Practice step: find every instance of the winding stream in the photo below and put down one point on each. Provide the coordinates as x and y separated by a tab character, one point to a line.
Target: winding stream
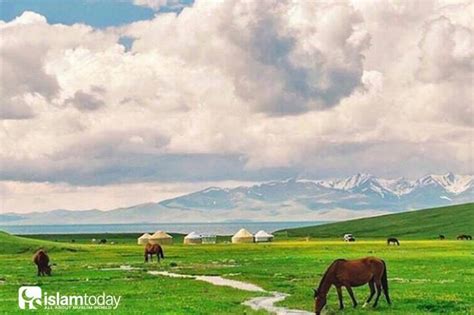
258	303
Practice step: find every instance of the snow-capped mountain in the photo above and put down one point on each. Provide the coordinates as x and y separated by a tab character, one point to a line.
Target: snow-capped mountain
358	192
453	184
363	183
291	199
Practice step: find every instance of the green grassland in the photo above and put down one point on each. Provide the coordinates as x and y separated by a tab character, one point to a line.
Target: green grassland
425	276
116	238
422	224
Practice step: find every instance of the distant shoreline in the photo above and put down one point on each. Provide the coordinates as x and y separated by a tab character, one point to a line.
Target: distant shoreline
163	223
219	228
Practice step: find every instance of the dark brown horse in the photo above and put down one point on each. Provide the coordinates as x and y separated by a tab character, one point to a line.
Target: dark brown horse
41	260
393	240
152	249
441	237
464	237
353	273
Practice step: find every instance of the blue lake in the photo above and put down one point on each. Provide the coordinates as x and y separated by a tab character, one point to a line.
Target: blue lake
226	228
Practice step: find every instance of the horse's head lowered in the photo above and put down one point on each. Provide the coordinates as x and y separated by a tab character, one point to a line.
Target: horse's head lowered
319	301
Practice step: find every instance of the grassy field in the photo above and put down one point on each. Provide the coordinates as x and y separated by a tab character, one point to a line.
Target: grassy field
116	238
425	276
422	224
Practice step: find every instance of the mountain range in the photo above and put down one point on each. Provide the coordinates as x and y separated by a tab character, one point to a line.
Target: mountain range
293	199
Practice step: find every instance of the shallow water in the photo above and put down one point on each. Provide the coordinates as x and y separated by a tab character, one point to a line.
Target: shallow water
259	303
267	303
215	280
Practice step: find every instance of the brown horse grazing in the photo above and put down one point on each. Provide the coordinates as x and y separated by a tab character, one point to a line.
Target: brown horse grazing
353	273
151	249
41	260
393	240
441	237
464	237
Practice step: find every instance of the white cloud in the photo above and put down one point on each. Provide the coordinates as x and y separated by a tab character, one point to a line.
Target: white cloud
154	4
276	56
305	86
447	52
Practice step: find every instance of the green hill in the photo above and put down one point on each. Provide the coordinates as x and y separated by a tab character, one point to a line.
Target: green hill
422	224
11	244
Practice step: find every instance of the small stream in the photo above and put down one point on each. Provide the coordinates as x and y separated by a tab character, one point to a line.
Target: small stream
258	303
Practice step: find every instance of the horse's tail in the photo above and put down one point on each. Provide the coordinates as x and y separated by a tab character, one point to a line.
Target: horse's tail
385	283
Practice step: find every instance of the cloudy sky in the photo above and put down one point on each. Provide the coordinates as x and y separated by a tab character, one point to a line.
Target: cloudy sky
112	103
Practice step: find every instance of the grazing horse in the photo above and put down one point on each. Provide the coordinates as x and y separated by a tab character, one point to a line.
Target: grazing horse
393	240
151	249
353	273
41	259
441	237
464	237
103	241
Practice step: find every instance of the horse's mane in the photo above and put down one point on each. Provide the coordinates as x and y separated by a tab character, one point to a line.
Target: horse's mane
327	271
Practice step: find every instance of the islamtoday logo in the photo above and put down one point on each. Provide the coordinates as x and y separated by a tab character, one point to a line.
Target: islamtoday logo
32	297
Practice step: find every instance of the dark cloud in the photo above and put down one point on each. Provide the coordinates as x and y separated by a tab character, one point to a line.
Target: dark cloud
86	102
15	109
129	168
22	73
297	86
111	161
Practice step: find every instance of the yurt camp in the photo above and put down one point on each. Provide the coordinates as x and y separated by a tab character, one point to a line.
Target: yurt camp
262	236
143	240
192	238
161	238
242	236
209	239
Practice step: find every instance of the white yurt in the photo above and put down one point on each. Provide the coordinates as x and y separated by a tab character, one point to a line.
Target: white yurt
143	240
209	239
192	238
242	236
262	236
161	238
